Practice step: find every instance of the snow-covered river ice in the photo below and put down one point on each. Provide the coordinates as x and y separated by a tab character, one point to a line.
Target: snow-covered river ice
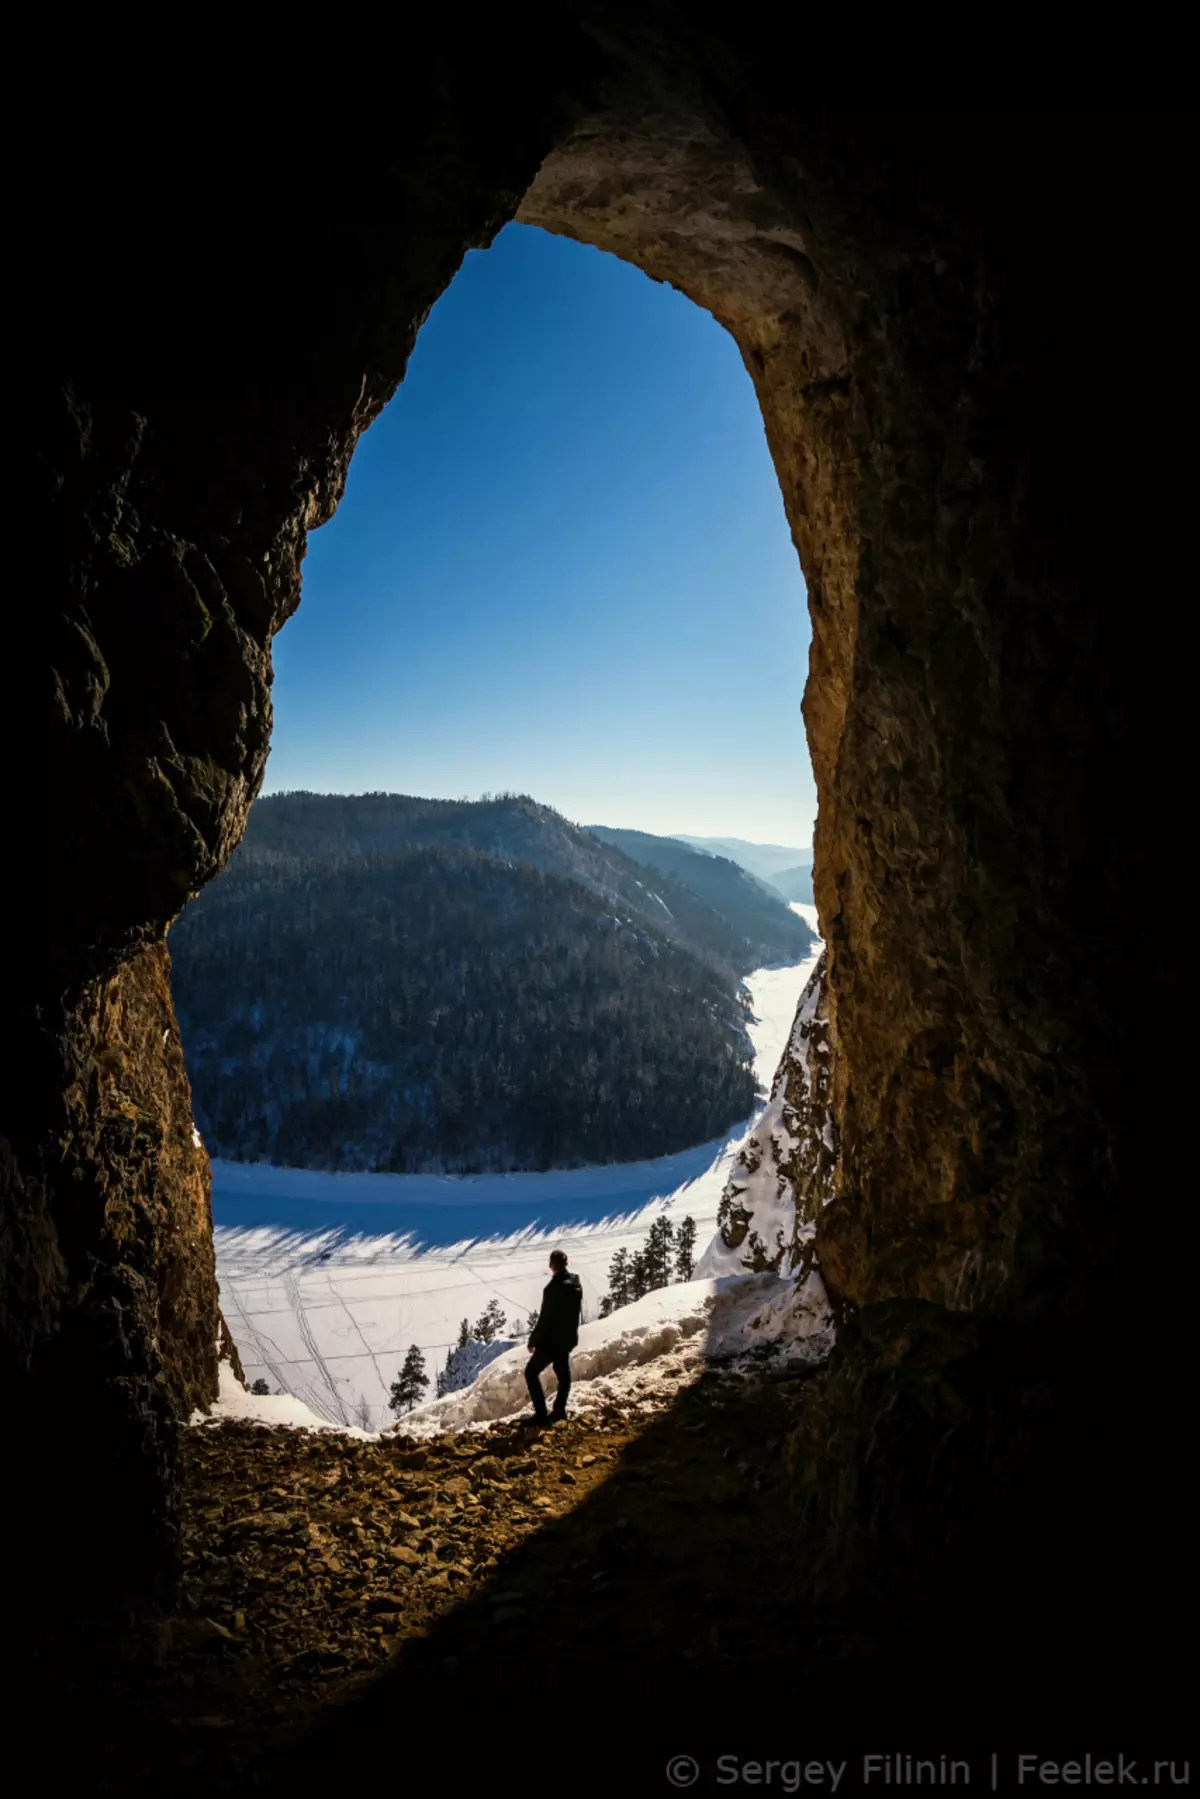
326	1279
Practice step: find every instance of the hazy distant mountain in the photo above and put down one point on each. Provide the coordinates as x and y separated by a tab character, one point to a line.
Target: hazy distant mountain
796	883
762	859
752	906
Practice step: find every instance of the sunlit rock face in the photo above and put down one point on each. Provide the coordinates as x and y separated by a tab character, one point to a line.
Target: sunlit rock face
915	304
872	283
111	1297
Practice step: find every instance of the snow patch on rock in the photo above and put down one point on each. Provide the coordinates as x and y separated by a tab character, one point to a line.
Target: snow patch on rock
784	1172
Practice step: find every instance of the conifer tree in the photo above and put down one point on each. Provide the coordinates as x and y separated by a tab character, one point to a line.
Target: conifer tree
411	1383
658	1253
464	1334
685	1250
618	1281
490	1323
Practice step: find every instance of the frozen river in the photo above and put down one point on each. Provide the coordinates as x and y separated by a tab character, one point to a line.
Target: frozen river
327	1278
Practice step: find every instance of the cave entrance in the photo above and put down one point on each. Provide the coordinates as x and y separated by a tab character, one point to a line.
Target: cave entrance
914	298
560	569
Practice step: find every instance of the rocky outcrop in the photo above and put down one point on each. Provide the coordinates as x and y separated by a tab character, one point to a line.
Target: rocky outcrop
785	1174
114	1315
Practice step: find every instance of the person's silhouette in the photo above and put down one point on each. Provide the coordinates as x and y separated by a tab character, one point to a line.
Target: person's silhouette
553	1338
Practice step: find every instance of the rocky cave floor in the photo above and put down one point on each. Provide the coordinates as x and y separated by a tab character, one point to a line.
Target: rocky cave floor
329	1580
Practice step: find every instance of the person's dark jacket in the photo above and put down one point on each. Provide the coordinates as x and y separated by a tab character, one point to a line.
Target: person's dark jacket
557	1327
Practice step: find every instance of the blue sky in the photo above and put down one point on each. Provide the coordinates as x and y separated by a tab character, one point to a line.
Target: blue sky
561	567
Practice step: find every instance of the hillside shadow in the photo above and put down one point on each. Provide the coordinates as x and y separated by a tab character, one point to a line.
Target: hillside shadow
266	1212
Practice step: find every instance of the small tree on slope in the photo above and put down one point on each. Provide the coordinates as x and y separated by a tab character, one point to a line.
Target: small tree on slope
619	1280
685	1250
659	1253
490	1323
411	1383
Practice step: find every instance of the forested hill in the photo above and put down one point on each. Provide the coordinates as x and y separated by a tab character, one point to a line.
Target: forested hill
704	903
748	901
349	1005
795	883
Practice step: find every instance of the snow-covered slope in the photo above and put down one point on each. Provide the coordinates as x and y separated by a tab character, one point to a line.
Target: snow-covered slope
271	1409
784	1172
326	1279
642	1354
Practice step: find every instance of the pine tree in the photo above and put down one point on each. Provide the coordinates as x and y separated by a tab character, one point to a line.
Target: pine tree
658	1250
490	1323
464	1334
639	1275
618	1280
260	1387
685	1250
408	1388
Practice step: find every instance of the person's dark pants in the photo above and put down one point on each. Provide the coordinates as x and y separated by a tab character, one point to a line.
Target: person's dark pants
560	1361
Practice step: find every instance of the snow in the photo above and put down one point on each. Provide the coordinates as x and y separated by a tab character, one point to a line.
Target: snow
758	1183
644	1353
326	1279
233	1401
469	1359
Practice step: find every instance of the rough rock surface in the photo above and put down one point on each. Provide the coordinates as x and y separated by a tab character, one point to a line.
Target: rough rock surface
171	494
115	1310
315	1564
785	1175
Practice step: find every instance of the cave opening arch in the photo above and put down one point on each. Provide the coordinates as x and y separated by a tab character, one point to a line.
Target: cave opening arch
907	304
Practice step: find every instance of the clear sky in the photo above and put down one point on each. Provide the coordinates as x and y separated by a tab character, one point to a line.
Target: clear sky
561	567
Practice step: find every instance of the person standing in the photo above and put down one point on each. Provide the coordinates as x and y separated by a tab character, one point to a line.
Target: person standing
553	1338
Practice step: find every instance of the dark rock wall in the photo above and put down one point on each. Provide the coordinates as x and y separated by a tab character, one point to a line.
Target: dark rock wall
110	1302
909	295
215	318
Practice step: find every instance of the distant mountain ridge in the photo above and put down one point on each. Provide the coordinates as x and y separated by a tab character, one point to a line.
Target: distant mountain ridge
795	883
762	859
749	903
717	918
